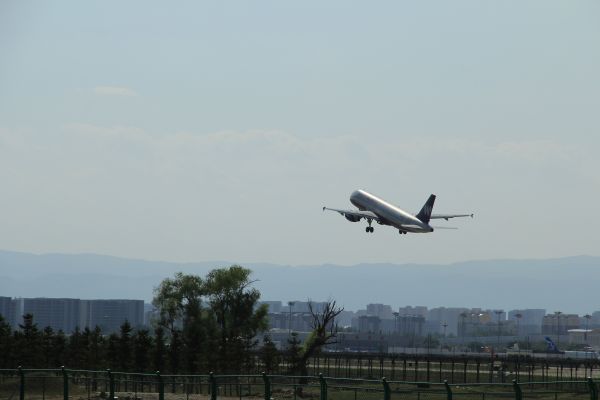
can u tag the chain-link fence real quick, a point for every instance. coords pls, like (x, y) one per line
(67, 384)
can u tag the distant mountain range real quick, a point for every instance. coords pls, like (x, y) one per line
(569, 284)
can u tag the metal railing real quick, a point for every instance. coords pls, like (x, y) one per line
(70, 384)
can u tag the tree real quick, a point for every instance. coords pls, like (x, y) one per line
(324, 332)
(293, 353)
(177, 298)
(233, 302)
(48, 347)
(175, 350)
(141, 350)
(112, 351)
(96, 346)
(59, 345)
(159, 353)
(269, 355)
(219, 336)
(6, 344)
(28, 343)
(125, 347)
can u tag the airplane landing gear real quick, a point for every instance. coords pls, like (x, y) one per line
(369, 229)
(402, 232)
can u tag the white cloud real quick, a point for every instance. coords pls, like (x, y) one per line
(114, 91)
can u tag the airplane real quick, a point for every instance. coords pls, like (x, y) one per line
(372, 208)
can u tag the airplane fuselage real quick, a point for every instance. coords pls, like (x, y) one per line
(388, 213)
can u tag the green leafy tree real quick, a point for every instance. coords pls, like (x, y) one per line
(218, 336)
(233, 302)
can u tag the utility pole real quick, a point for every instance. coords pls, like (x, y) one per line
(518, 316)
(445, 325)
(587, 325)
(290, 304)
(558, 313)
(498, 314)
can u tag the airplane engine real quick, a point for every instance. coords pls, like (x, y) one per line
(352, 218)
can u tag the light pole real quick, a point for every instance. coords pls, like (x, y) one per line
(463, 316)
(498, 313)
(290, 304)
(587, 325)
(445, 325)
(396, 314)
(518, 316)
(557, 313)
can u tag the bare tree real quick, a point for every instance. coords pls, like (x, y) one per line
(324, 332)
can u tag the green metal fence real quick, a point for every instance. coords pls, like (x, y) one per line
(68, 384)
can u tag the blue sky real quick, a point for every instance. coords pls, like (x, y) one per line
(204, 131)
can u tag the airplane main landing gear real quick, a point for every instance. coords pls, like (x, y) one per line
(402, 232)
(369, 229)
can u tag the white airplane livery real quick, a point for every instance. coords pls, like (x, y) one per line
(372, 208)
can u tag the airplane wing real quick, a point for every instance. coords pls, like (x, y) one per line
(356, 214)
(448, 216)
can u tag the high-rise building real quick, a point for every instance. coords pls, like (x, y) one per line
(59, 314)
(382, 311)
(530, 320)
(7, 310)
(109, 315)
(446, 319)
(416, 310)
(559, 323)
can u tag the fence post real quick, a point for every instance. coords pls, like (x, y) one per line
(448, 390)
(161, 386)
(111, 385)
(267, 386)
(65, 375)
(213, 386)
(323, 383)
(387, 394)
(21, 383)
(518, 391)
(593, 389)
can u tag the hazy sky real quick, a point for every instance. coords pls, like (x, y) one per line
(204, 131)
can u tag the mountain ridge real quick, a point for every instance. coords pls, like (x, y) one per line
(567, 283)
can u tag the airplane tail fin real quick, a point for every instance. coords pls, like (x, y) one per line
(425, 214)
(552, 348)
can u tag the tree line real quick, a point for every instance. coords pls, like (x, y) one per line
(206, 324)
